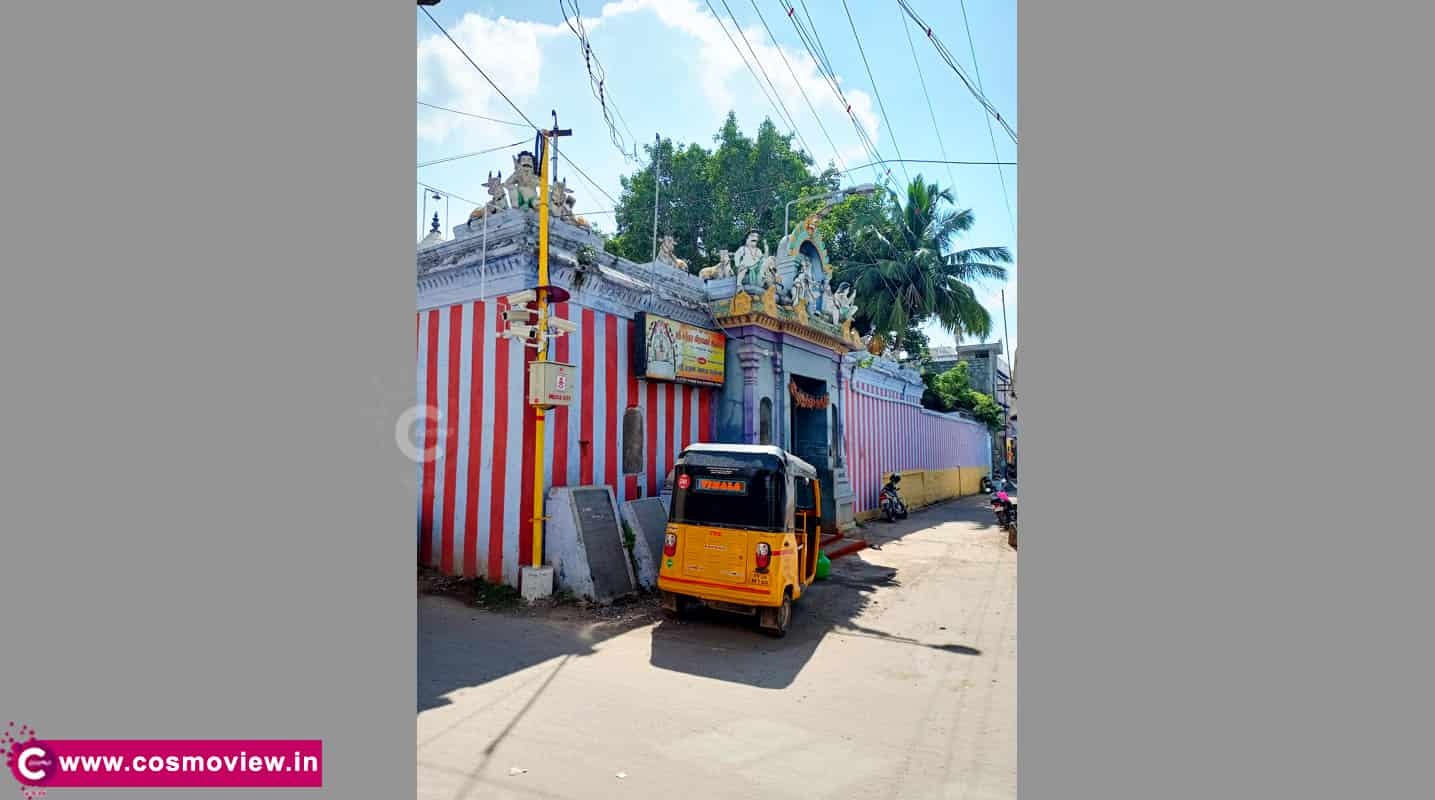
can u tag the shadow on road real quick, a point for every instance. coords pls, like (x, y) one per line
(460, 646)
(728, 647)
(456, 652)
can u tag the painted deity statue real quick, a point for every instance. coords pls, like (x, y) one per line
(844, 304)
(522, 185)
(801, 291)
(827, 308)
(755, 268)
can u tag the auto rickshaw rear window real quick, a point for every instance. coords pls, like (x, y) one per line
(743, 490)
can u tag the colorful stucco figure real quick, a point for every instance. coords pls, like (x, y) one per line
(666, 255)
(801, 292)
(522, 185)
(844, 303)
(722, 269)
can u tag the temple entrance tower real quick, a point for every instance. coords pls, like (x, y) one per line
(788, 329)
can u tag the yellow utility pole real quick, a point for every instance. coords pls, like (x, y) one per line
(544, 175)
(542, 350)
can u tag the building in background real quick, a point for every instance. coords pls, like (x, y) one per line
(940, 359)
(990, 375)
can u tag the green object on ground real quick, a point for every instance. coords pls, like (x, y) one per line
(823, 566)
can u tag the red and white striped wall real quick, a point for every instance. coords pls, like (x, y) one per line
(883, 433)
(476, 491)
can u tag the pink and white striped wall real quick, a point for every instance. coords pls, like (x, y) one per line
(885, 433)
(476, 493)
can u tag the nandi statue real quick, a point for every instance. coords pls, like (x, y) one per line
(722, 269)
(666, 256)
(497, 198)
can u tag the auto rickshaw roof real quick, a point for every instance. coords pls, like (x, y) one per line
(797, 465)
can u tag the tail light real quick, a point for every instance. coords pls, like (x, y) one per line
(764, 555)
(670, 544)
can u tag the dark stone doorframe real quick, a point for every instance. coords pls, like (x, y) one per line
(811, 437)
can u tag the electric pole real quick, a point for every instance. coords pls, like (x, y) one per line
(544, 174)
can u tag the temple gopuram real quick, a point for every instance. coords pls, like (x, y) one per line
(757, 347)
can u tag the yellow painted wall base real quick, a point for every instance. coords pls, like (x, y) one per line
(923, 487)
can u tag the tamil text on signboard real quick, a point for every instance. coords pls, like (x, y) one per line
(673, 351)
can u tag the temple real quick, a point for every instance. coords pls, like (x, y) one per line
(757, 347)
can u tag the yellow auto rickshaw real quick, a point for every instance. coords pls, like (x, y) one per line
(743, 532)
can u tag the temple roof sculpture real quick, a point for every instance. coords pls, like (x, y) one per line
(789, 290)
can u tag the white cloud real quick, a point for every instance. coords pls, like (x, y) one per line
(724, 77)
(508, 50)
(512, 53)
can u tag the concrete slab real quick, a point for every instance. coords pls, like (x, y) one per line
(584, 543)
(648, 518)
(643, 517)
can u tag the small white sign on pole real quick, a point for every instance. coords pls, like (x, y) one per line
(550, 383)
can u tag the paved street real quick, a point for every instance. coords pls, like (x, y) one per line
(897, 680)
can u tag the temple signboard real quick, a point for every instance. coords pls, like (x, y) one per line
(667, 350)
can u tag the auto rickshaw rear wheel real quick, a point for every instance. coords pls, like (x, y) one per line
(775, 621)
(674, 605)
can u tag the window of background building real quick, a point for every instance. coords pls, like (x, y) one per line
(764, 421)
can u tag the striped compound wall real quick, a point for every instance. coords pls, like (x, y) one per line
(476, 488)
(885, 433)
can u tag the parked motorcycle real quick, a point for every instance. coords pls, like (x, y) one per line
(1004, 507)
(890, 501)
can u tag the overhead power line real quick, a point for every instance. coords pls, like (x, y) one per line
(475, 116)
(881, 105)
(470, 155)
(585, 177)
(791, 128)
(511, 104)
(951, 62)
(437, 190)
(936, 127)
(815, 51)
(791, 120)
(597, 80)
(837, 155)
(937, 161)
(474, 64)
(977, 68)
(820, 48)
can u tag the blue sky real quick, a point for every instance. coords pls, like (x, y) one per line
(671, 70)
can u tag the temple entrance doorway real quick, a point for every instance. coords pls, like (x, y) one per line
(811, 434)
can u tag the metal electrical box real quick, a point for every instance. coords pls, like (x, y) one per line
(550, 383)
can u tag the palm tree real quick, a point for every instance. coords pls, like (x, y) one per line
(907, 271)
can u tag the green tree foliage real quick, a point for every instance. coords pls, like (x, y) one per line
(952, 391)
(709, 199)
(899, 254)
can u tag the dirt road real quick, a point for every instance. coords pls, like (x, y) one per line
(897, 680)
